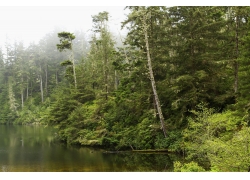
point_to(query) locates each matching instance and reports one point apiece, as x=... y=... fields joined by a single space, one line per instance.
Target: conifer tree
x=151 y=74
x=101 y=55
x=66 y=39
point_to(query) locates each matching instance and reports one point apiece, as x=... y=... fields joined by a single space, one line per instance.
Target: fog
x=31 y=23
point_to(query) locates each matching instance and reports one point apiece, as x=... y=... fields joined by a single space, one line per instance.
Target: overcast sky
x=31 y=23
x=30 y=20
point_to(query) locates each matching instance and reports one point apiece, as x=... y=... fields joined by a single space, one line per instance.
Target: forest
x=178 y=82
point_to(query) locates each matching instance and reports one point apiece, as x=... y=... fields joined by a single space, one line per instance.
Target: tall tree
x=21 y=66
x=103 y=54
x=198 y=70
x=152 y=79
x=243 y=97
x=66 y=39
x=147 y=34
x=237 y=18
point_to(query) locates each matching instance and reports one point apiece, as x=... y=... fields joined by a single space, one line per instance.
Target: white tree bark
x=73 y=63
x=41 y=83
x=157 y=101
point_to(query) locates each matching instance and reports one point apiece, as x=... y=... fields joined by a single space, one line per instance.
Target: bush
x=187 y=167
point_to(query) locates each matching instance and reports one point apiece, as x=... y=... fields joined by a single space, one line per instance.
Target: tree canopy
x=179 y=82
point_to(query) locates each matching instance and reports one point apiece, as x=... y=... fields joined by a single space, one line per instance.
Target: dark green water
x=34 y=149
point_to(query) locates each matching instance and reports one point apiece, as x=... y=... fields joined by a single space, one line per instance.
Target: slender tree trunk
x=127 y=61
x=56 y=76
x=236 y=65
x=105 y=71
x=116 y=80
x=27 y=89
x=73 y=62
x=31 y=88
x=41 y=87
x=22 y=98
x=22 y=92
x=157 y=101
x=106 y=78
x=46 y=80
x=41 y=84
x=12 y=100
x=236 y=78
x=74 y=70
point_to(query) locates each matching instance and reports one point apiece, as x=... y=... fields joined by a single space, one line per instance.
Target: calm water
x=34 y=149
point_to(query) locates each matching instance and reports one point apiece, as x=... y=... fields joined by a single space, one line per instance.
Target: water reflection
x=34 y=149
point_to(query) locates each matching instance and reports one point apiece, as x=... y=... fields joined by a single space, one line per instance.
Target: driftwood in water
x=152 y=151
x=139 y=151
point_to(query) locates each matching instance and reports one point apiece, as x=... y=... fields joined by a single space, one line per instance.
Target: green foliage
x=144 y=138
x=33 y=113
x=5 y=113
x=187 y=167
x=65 y=41
x=232 y=155
x=99 y=20
x=222 y=139
x=173 y=142
x=204 y=127
x=29 y=115
x=197 y=54
x=66 y=63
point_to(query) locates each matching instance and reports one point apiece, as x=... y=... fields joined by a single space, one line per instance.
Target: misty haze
x=115 y=89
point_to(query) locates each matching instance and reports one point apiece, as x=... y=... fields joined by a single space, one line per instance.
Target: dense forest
x=179 y=82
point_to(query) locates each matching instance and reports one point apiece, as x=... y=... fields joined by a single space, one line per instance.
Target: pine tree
x=147 y=34
x=101 y=56
x=198 y=73
x=66 y=39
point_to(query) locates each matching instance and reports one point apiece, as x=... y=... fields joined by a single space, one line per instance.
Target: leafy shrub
x=187 y=167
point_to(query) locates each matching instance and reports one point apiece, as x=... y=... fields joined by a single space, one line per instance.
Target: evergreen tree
x=66 y=39
x=197 y=73
x=101 y=54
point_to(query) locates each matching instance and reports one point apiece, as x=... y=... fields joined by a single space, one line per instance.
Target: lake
x=35 y=149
